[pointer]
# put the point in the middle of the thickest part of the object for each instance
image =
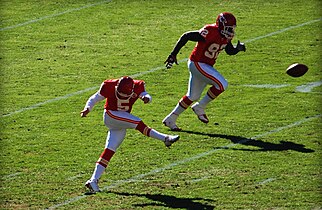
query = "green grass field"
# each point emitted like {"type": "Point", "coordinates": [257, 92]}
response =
{"type": "Point", "coordinates": [261, 149]}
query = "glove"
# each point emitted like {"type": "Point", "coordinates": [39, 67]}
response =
{"type": "Point", "coordinates": [170, 60]}
{"type": "Point", "coordinates": [241, 46]}
{"type": "Point", "coordinates": [84, 112]}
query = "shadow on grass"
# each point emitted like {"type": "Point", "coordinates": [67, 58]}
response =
{"type": "Point", "coordinates": [171, 201]}
{"type": "Point", "coordinates": [263, 146]}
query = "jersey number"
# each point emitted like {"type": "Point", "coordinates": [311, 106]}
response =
{"type": "Point", "coordinates": [213, 50]}
{"type": "Point", "coordinates": [122, 104]}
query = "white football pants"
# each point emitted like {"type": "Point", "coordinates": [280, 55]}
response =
{"type": "Point", "coordinates": [201, 75]}
{"type": "Point", "coordinates": [118, 122]}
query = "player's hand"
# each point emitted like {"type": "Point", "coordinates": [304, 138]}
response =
{"type": "Point", "coordinates": [170, 60]}
{"type": "Point", "coordinates": [241, 46]}
{"type": "Point", "coordinates": [84, 112]}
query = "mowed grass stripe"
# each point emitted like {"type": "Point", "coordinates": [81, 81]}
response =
{"type": "Point", "coordinates": [187, 160]}
{"type": "Point", "coordinates": [53, 15]}
{"type": "Point", "coordinates": [149, 71]}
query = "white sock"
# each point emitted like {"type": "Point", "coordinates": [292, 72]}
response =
{"type": "Point", "coordinates": [98, 171]}
{"type": "Point", "coordinates": [157, 135]}
{"type": "Point", "coordinates": [204, 101]}
{"type": "Point", "coordinates": [177, 111]}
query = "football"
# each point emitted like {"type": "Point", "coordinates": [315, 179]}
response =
{"type": "Point", "coordinates": [297, 70]}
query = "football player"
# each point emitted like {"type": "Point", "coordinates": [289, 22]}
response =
{"type": "Point", "coordinates": [211, 40]}
{"type": "Point", "coordinates": [120, 95]}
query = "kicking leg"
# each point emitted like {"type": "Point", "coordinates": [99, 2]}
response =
{"type": "Point", "coordinates": [147, 131]}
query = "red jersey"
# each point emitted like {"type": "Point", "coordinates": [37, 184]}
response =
{"type": "Point", "coordinates": [114, 103]}
{"type": "Point", "coordinates": [208, 50]}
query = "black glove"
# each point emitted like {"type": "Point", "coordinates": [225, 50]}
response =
{"type": "Point", "coordinates": [241, 46]}
{"type": "Point", "coordinates": [170, 60]}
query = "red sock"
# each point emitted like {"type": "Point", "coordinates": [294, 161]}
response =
{"type": "Point", "coordinates": [213, 92]}
{"type": "Point", "coordinates": [185, 102]}
{"type": "Point", "coordinates": [105, 157]}
{"type": "Point", "coordinates": [143, 128]}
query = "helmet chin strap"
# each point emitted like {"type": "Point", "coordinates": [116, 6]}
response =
{"type": "Point", "coordinates": [124, 96]}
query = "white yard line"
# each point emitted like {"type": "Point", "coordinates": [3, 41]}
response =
{"type": "Point", "coordinates": [287, 126]}
{"type": "Point", "coordinates": [53, 15]}
{"type": "Point", "coordinates": [267, 86]}
{"type": "Point", "coordinates": [149, 71]}
{"type": "Point", "coordinates": [138, 178]}
{"type": "Point", "coordinates": [283, 30]}
{"type": "Point", "coordinates": [51, 100]}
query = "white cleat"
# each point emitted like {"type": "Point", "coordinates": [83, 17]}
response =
{"type": "Point", "coordinates": [200, 112]}
{"type": "Point", "coordinates": [169, 140]}
{"type": "Point", "coordinates": [170, 123]}
{"type": "Point", "coordinates": [92, 185]}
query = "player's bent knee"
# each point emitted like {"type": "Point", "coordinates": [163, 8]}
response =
{"type": "Point", "coordinates": [213, 92]}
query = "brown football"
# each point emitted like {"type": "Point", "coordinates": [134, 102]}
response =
{"type": "Point", "coordinates": [297, 70]}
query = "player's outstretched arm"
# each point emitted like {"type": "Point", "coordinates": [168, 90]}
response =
{"type": "Point", "coordinates": [188, 36]}
{"type": "Point", "coordinates": [94, 99]}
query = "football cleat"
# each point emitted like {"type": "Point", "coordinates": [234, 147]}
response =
{"type": "Point", "coordinates": [92, 185]}
{"type": "Point", "coordinates": [200, 112]}
{"type": "Point", "coordinates": [169, 140]}
{"type": "Point", "coordinates": [170, 123]}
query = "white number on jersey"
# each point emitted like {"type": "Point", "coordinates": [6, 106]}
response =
{"type": "Point", "coordinates": [213, 50]}
{"type": "Point", "coordinates": [121, 106]}
{"type": "Point", "coordinates": [204, 33]}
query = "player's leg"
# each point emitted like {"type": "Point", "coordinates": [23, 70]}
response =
{"type": "Point", "coordinates": [211, 94]}
{"type": "Point", "coordinates": [116, 119]}
{"type": "Point", "coordinates": [195, 88]}
{"type": "Point", "coordinates": [210, 76]}
{"type": "Point", "coordinates": [218, 82]}
{"type": "Point", "coordinates": [171, 118]}
{"type": "Point", "coordinates": [113, 140]}
{"type": "Point", "coordinates": [150, 132]}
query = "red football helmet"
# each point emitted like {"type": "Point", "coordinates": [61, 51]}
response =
{"type": "Point", "coordinates": [226, 22]}
{"type": "Point", "coordinates": [125, 87]}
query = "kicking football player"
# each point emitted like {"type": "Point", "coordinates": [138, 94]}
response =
{"type": "Point", "coordinates": [120, 95]}
{"type": "Point", "coordinates": [211, 40]}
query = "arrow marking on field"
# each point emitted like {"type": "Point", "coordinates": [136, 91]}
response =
{"type": "Point", "coordinates": [266, 181]}
{"type": "Point", "coordinates": [308, 87]}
